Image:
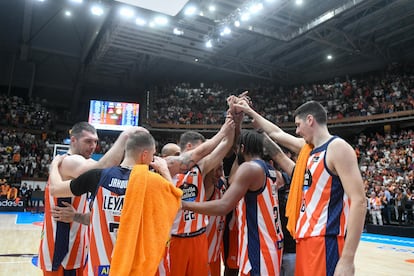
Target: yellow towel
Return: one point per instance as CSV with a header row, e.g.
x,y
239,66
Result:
x,y
295,193
150,206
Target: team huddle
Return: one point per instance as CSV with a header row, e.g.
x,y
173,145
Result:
x,y
204,202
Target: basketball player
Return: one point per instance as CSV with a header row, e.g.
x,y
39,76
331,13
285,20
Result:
x,y
215,185
330,200
188,249
108,188
62,245
253,189
170,149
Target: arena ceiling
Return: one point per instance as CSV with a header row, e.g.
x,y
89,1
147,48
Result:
x,y
47,52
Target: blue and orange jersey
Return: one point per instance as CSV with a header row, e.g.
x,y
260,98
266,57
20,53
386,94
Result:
x,y
75,239
325,206
105,217
260,231
192,186
215,227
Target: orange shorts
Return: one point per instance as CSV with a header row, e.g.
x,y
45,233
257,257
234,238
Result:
x,y
189,255
61,272
232,250
318,255
215,268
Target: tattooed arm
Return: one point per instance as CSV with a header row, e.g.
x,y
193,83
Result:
x,y
187,160
278,156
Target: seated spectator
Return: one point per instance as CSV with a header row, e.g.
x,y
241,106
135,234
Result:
x,y
12,193
5,187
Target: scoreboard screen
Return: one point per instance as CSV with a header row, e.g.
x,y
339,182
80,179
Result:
x,y
109,115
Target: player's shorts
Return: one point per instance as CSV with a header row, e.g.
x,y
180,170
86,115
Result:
x,y
63,272
318,255
189,255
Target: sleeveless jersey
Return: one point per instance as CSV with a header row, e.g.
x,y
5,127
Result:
x,y
105,216
215,227
325,206
375,203
260,231
51,238
186,221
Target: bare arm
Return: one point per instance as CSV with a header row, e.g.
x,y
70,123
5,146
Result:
x,y
160,165
346,167
238,120
215,158
84,183
249,177
187,160
68,214
277,155
58,187
75,165
276,133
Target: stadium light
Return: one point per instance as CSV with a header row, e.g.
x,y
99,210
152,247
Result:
x,y
245,16
161,20
97,10
190,10
140,21
126,12
177,31
255,8
227,30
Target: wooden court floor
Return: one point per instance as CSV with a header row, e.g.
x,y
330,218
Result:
x,y
377,255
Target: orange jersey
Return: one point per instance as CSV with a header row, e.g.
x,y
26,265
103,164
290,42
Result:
x,y
106,213
108,187
260,231
186,221
215,227
375,203
325,206
52,236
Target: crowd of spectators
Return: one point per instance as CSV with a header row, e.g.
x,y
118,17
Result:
x,y
19,113
383,92
23,154
22,192
27,140
387,167
181,104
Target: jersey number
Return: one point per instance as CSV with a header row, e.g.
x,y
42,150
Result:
x,y
113,226
189,215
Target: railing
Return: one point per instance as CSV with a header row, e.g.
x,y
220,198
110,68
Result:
x,y
407,114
